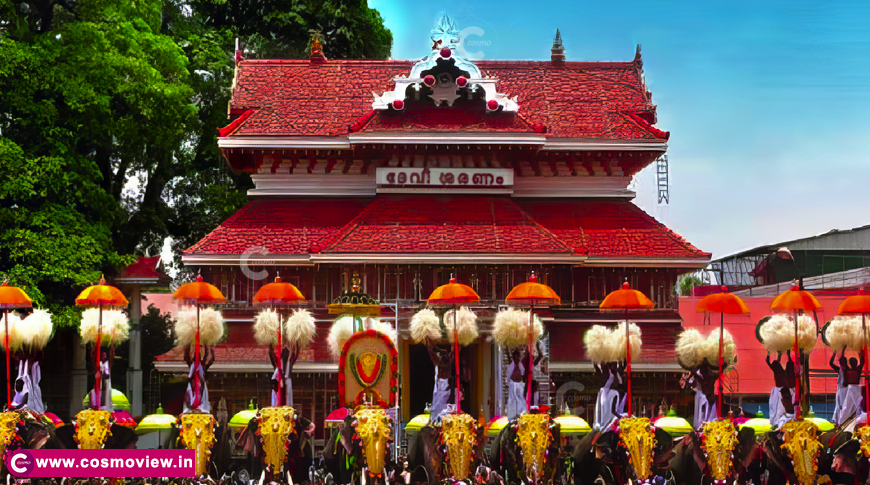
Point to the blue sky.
(768, 103)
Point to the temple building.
(406, 172)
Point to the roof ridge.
(332, 241)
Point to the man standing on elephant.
(848, 401)
(442, 359)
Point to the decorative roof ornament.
(557, 52)
(315, 46)
(444, 76)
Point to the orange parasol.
(722, 303)
(453, 294)
(100, 295)
(199, 293)
(275, 294)
(853, 305)
(11, 297)
(796, 299)
(531, 294)
(627, 299)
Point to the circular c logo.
(20, 463)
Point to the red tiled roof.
(573, 99)
(606, 228)
(145, 268)
(441, 224)
(287, 226)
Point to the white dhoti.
(516, 404)
(288, 391)
(607, 399)
(775, 409)
(440, 395)
(782, 417)
(704, 410)
(35, 401)
(276, 393)
(848, 403)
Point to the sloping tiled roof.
(605, 228)
(145, 268)
(445, 224)
(598, 100)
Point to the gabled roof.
(433, 224)
(146, 270)
(594, 100)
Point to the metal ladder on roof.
(662, 179)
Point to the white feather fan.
(211, 327)
(777, 333)
(115, 328)
(340, 331)
(465, 323)
(619, 342)
(383, 327)
(266, 327)
(711, 349)
(36, 329)
(690, 348)
(16, 339)
(598, 341)
(425, 326)
(299, 330)
(511, 328)
(845, 332)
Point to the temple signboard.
(466, 180)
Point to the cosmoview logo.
(477, 39)
(20, 463)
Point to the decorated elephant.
(635, 450)
(26, 429)
(450, 449)
(798, 453)
(94, 429)
(527, 449)
(279, 436)
(360, 445)
(717, 454)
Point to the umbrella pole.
(456, 356)
(8, 375)
(280, 365)
(531, 370)
(797, 369)
(721, 360)
(628, 361)
(98, 374)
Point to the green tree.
(687, 282)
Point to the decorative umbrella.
(823, 424)
(627, 299)
(796, 299)
(760, 425)
(673, 424)
(199, 293)
(278, 293)
(158, 422)
(337, 416)
(241, 418)
(11, 297)
(859, 304)
(119, 400)
(570, 425)
(417, 423)
(496, 425)
(123, 418)
(454, 294)
(531, 294)
(101, 295)
(355, 303)
(722, 303)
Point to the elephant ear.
(664, 441)
(585, 445)
(845, 445)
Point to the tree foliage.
(108, 111)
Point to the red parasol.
(531, 294)
(199, 293)
(722, 303)
(853, 305)
(454, 294)
(100, 295)
(278, 293)
(627, 299)
(11, 297)
(796, 299)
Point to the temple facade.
(406, 172)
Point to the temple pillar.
(134, 369)
(79, 374)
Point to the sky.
(768, 103)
